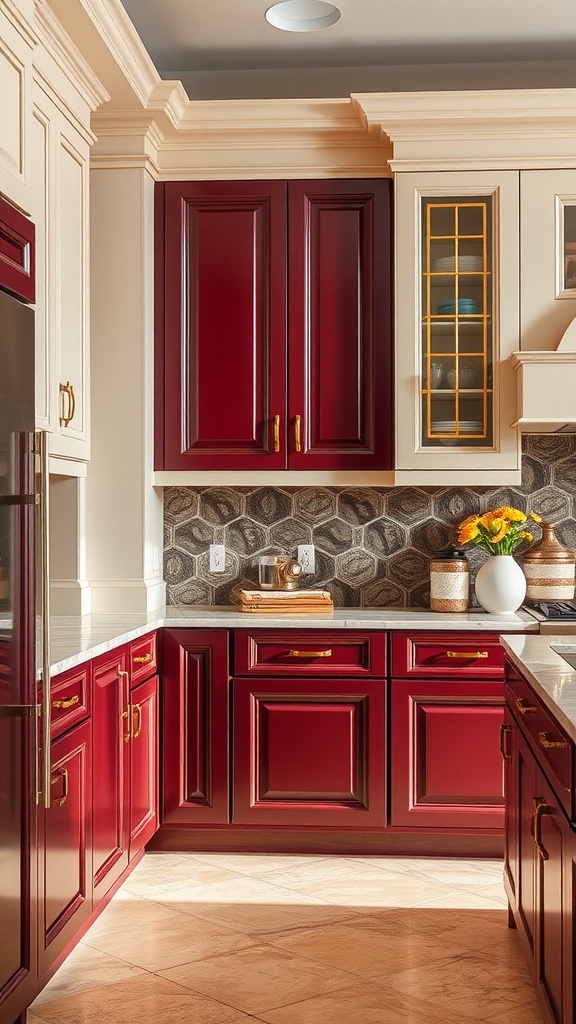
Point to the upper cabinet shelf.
(457, 321)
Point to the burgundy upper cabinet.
(17, 235)
(273, 325)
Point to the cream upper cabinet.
(457, 293)
(16, 47)
(547, 257)
(60, 190)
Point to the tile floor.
(226, 939)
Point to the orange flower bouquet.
(499, 531)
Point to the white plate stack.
(447, 264)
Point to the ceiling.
(225, 47)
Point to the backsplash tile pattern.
(373, 544)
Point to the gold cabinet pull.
(276, 433)
(466, 654)
(127, 736)
(67, 417)
(524, 708)
(142, 659)
(504, 730)
(62, 774)
(540, 807)
(136, 717)
(69, 703)
(311, 654)
(298, 433)
(551, 744)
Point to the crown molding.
(20, 22)
(67, 57)
(123, 42)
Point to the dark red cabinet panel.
(273, 325)
(309, 653)
(195, 729)
(446, 768)
(17, 257)
(144, 766)
(445, 655)
(111, 739)
(66, 840)
(309, 752)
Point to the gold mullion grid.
(430, 317)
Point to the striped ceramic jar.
(549, 569)
(449, 581)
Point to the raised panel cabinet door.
(446, 767)
(526, 791)
(195, 729)
(144, 767)
(340, 324)
(111, 753)
(509, 752)
(17, 239)
(221, 264)
(309, 752)
(551, 837)
(65, 845)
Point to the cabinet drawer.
(468, 655)
(70, 698)
(309, 653)
(143, 659)
(553, 749)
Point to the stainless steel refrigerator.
(20, 719)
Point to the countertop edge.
(552, 679)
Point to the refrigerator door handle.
(19, 499)
(46, 709)
(19, 710)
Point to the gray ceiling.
(229, 41)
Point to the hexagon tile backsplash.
(373, 544)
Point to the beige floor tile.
(254, 906)
(162, 938)
(337, 869)
(365, 948)
(148, 999)
(366, 1003)
(474, 985)
(528, 1013)
(255, 864)
(259, 978)
(391, 890)
(468, 873)
(154, 880)
(85, 968)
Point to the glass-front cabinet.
(457, 321)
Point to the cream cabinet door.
(457, 280)
(60, 171)
(16, 45)
(547, 256)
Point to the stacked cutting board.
(273, 601)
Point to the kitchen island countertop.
(75, 638)
(552, 678)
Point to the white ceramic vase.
(500, 584)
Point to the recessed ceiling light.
(302, 15)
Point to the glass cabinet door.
(457, 318)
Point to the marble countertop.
(75, 639)
(552, 678)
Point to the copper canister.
(549, 568)
(449, 581)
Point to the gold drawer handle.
(540, 807)
(504, 730)
(524, 708)
(63, 774)
(142, 659)
(311, 654)
(466, 654)
(136, 718)
(551, 744)
(126, 736)
(276, 433)
(69, 703)
(298, 433)
(68, 416)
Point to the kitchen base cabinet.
(540, 856)
(309, 752)
(144, 766)
(195, 729)
(65, 882)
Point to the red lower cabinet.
(195, 729)
(111, 739)
(144, 765)
(446, 769)
(65, 882)
(309, 752)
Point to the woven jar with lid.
(449, 581)
(549, 568)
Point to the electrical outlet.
(155, 559)
(307, 558)
(217, 558)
